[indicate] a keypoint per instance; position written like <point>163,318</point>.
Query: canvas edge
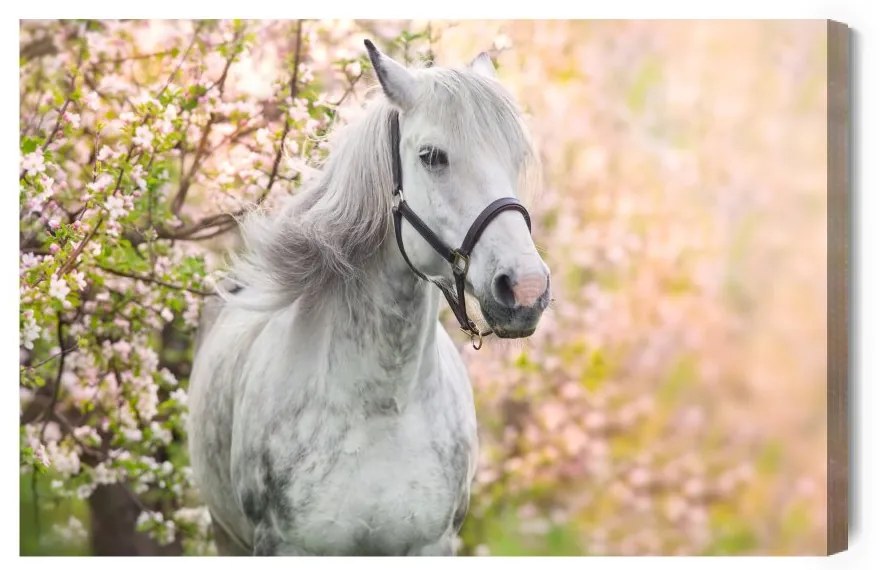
<point>838,79</point>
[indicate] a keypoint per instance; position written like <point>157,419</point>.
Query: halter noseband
<point>459,258</point>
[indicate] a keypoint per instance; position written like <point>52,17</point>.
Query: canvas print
<point>365,287</point>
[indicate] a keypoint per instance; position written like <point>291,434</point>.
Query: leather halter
<point>458,258</point>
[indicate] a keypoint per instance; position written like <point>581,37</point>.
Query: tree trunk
<point>114,516</point>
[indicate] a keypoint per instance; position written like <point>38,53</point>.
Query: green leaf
<point>29,145</point>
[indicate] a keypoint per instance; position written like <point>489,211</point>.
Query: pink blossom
<point>103,181</point>
<point>48,184</point>
<point>191,314</point>
<point>299,111</point>
<point>29,260</point>
<point>166,127</point>
<point>73,119</point>
<point>263,137</point>
<point>143,137</point>
<point>306,74</point>
<point>33,163</point>
<point>311,126</point>
<point>105,153</point>
<point>123,348</point>
<point>92,100</point>
<point>41,455</point>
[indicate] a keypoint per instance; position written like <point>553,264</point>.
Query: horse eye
<point>433,158</point>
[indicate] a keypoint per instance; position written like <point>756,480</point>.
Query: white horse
<point>330,413</point>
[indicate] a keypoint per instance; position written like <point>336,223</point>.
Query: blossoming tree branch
<point>141,144</point>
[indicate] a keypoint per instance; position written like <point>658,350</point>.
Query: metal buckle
<point>396,199</point>
<point>460,262</point>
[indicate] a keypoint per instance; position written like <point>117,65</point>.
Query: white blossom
<point>79,278</point>
<point>179,396</point>
<point>143,137</point>
<point>64,461</point>
<point>30,331</point>
<point>92,100</point>
<point>58,288</point>
<point>105,153</point>
<point>33,163</point>
<point>73,531</point>
<point>115,207</point>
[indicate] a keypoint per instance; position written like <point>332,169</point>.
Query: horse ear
<point>397,82</point>
<point>482,64</point>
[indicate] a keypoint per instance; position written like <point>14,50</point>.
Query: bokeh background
<point>672,400</point>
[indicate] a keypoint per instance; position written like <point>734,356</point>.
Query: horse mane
<point>326,235</point>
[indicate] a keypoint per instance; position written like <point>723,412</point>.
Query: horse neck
<point>389,344</point>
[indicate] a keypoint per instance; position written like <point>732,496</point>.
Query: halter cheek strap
<point>458,258</point>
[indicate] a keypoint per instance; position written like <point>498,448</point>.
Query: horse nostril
<point>503,290</point>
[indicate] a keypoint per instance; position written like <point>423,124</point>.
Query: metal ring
<point>460,262</point>
<point>477,340</point>
<point>396,198</point>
